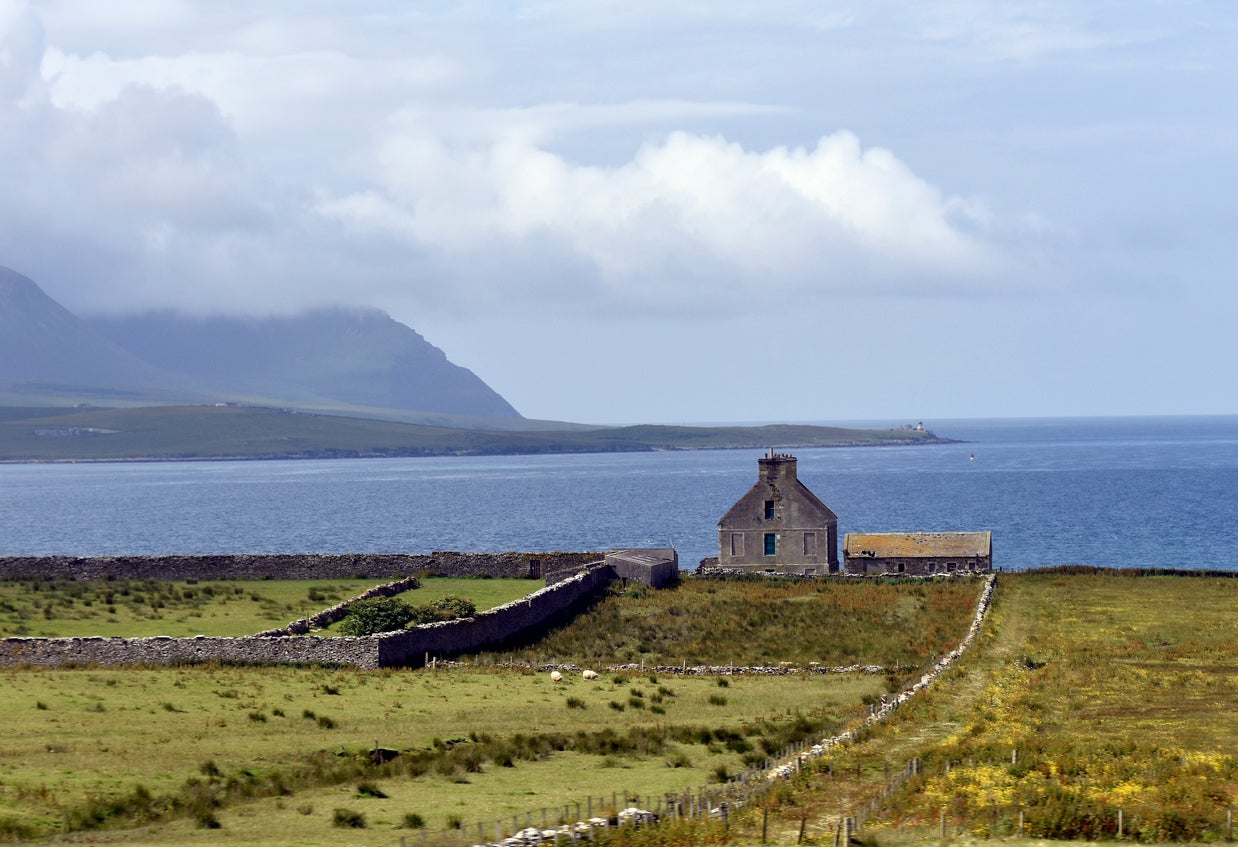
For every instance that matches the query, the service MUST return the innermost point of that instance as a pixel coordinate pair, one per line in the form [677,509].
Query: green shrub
[207,820]
[347,818]
[375,615]
[369,789]
[447,608]
[412,820]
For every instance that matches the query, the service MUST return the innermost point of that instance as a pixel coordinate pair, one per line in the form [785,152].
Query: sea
[1115,492]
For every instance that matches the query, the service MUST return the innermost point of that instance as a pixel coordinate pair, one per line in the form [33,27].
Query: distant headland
[220,432]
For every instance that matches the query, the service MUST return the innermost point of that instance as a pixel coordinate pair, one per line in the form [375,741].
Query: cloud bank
[219,181]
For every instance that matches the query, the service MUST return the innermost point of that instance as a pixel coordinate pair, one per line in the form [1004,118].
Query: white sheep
[556,676]
[588,674]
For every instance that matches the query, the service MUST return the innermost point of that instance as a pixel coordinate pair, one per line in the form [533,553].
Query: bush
[375,615]
[412,820]
[447,608]
[207,820]
[348,818]
[369,789]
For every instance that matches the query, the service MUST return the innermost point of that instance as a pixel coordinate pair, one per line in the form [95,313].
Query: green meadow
[252,755]
[126,607]
[1090,701]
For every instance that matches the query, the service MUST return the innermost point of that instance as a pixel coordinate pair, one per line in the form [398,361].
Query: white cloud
[21,46]
[686,216]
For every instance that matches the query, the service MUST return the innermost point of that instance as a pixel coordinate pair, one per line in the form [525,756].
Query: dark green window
[769,510]
[771,544]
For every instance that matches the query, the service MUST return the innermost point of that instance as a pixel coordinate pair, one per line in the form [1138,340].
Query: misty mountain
[331,359]
[328,357]
[48,352]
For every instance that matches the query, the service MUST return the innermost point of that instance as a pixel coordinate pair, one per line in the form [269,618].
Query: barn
[917,553]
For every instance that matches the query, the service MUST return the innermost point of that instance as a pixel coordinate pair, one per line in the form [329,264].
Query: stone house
[779,526]
[917,553]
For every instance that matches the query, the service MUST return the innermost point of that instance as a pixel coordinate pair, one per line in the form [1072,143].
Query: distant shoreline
[254,433]
[331,455]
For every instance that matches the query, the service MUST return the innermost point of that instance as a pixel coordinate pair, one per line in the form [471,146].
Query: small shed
[917,553]
[655,567]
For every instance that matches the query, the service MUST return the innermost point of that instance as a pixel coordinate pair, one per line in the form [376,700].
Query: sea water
[1119,492]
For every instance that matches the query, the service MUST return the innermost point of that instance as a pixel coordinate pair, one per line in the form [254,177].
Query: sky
[641,211]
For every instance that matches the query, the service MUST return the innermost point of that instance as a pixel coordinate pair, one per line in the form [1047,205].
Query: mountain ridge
[336,359]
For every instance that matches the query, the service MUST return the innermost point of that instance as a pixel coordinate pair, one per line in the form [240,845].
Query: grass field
[73,737]
[1085,695]
[749,621]
[121,607]
[1088,695]
[276,750]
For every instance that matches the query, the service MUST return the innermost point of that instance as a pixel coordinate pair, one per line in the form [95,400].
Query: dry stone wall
[492,627]
[293,565]
[163,650]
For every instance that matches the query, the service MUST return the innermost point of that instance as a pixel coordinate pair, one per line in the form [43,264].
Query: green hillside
[218,432]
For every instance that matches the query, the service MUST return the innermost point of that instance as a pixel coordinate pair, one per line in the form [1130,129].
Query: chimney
[777,468]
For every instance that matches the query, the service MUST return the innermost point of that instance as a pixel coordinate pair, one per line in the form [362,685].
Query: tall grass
[1093,701]
[764,621]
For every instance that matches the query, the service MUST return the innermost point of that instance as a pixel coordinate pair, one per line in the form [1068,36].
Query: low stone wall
[406,647]
[163,650]
[337,613]
[495,626]
[293,565]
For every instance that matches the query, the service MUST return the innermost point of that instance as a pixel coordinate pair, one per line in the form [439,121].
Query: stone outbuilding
[917,553]
[655,567]
[779,526]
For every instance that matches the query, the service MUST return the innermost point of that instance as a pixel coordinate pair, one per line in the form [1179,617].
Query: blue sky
[641,211]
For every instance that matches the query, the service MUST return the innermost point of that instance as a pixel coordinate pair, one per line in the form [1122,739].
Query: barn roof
[890,545]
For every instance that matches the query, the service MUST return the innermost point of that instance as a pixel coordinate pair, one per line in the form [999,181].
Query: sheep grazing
[556,676]
[590,674]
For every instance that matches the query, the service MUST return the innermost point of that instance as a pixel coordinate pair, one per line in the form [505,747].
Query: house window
[902,567]
[810,544]
[737,544]
[769,510]
[771,544]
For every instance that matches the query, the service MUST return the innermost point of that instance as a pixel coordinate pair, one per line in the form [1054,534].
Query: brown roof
[889,545]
